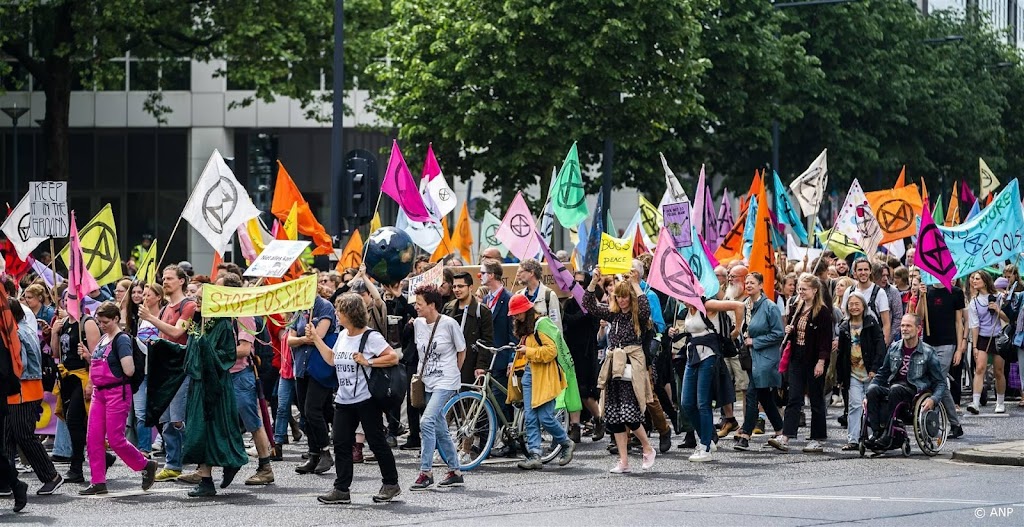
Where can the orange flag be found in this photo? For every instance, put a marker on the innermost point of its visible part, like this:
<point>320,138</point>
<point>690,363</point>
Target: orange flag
<point>446,246</point>
<point>287,194</point>
<point>924,191</point>
<point>953,212</point>
<point>217,260</point>
<point>896,210</point>
<point>732,246</point>
<point>762,255</point>
<point>352,255</point>
<point>462,236</point>
<point>902,180</point>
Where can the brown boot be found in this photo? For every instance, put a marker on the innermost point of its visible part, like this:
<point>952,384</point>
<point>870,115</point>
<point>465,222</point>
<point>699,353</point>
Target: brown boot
<point>264,476</point>
<point>357,453</point>
<point>277,454</point>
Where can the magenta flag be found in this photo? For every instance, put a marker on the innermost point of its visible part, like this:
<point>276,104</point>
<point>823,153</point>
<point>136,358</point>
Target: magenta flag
<point>671,275</point>
<point>967,196</point>
<point>563,278</point>
<point>80,281</point>
<point>932,255</point>
<point>725,219</point>
<point>398,184</point>
<point>708,252</point>
<point>518,230</point>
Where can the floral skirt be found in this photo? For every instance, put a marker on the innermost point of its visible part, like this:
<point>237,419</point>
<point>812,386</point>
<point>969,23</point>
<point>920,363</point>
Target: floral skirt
<point>620,405</point>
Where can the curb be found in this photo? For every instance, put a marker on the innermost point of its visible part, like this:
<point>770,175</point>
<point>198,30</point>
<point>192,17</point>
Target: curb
<point>975,456</point>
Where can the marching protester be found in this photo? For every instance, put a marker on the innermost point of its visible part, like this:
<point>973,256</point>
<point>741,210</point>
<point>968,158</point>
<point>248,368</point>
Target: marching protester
<point>442,351</point>
<point>623,379</point>
<point>11,370</point>
<point>861,348</point>
<point>358,348</point>
<point>152,297</point>
<point>945,331</point>
<point>809,337</point>
<point>985,318</point>
<point>497,299</point>
<point>313,394</point>
<point>544,299</point>
<point>111,368</point>
<point>542,380</point>
<point>581,336</point>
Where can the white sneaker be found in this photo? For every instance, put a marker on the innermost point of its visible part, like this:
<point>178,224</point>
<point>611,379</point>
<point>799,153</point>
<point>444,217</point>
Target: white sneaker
<point>814,447</point>
<point>780,443</point>
<point>973,408</point>
<point>701,455</point>
<point>1000,408</point>
<point>252,452</point>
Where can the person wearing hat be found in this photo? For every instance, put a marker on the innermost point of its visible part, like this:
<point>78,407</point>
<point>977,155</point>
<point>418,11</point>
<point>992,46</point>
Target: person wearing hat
<point>542,379</point>
<point>140,250</point>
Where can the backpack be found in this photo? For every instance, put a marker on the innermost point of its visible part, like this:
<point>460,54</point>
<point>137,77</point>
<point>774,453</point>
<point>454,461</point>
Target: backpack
<point>726,345</point>
<point>386,385</point>
<point>138,358</point>
<point>871,301</point>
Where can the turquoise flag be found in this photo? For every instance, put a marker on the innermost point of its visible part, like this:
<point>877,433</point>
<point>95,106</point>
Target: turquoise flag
<point>784,208</point>
<point>568,196</point>
<point>701,266</point>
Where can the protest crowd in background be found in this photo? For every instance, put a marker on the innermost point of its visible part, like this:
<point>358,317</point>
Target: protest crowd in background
<point>689,331</point>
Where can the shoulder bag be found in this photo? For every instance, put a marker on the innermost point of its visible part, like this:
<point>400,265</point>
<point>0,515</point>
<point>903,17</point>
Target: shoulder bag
<point>417,389</point>
<point>386,385</point>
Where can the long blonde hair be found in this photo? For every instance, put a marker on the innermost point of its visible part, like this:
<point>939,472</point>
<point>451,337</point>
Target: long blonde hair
<point>818,303</point>
<point>624,289</point>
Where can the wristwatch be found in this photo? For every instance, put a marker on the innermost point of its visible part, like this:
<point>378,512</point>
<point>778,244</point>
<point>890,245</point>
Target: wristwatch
<point>370,362</point>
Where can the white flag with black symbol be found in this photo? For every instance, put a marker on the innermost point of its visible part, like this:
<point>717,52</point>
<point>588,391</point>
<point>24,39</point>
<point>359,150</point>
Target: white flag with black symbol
<point>218,204</point>
<point>16,228</point>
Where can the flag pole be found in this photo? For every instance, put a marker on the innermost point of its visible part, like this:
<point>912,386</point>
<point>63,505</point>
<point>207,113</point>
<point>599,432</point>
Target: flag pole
<point>53,262</point>
<point>168,244</point>
<point>366,242</point>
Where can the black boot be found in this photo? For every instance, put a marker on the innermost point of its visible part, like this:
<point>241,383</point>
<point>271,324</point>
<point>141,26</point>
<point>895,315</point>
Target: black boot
<point>310,465</point>
<point>326,463</point>
<point>689,441</point>
<point>598,429</point>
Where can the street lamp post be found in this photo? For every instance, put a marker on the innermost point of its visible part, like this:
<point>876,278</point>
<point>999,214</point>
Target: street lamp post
<point>338,99</point>
<point>15,112</point>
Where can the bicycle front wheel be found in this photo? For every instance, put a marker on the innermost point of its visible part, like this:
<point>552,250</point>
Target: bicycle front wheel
<point>554,450</point>
<point>473,426</point>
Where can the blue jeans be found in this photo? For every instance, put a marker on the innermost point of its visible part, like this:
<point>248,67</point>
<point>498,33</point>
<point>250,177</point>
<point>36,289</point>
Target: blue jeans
<point>434,432</point>
<point>697,398</point>
<point>543,415</point>
<point>62,440</point>
<point>285,397</point>
<point>174,437</point>
<point>855,409</point>
<point>143,433</point>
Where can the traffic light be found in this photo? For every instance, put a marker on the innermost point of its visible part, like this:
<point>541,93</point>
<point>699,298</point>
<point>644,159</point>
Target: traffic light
<point>360,187</point>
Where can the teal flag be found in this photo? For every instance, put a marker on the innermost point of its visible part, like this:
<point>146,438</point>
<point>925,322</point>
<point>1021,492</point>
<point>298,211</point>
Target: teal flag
<point>489,233</point>
<point>787,215</point>
<point>568,196</point>
<point>700,265</point>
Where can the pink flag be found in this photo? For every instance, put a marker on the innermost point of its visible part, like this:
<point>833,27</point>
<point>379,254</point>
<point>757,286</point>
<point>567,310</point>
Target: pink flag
<point>80,282</point>
<point>518,230</point>
<point>699,210</point>
<point>966,195</point>
<point>708,252</point>
<point>932,255</point>
<point>671,275</point>
<point>725,219</point>
<point>563,278</point>
<point>245,243</point>
<point>398,184</point>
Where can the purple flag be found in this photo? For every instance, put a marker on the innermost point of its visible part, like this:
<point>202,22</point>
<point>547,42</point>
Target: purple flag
<point>563,278</point>
<point>710,219</point>
<point>725,219</point>
<point>677,223</point>
<point>398,184</point>
<point>932,255</point>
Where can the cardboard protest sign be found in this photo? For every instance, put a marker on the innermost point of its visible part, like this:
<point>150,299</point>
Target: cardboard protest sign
<point>48,202</point>
<point>276,259</point>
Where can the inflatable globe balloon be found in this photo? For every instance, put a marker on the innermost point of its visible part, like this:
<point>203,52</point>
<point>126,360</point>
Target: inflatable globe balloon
<point>389,255</point>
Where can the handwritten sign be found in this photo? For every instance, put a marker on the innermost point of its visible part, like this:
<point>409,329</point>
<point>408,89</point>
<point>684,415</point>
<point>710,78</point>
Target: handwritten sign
<point>276,258</point>
<point>48,205</point>
<point>616,255</point>
<point>432,276</point>
<point>677,221</point>
<point>287,297</point>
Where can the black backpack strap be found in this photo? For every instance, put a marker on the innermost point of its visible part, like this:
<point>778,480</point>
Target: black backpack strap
<point>362,346</point>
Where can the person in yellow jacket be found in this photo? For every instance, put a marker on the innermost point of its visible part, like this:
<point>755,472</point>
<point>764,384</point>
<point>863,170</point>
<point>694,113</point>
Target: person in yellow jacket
<point>542,381</point>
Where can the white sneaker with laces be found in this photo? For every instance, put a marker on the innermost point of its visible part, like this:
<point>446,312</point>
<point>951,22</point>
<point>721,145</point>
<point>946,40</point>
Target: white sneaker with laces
<point>814,447</point>
<point>1000,408</point>
<point>973,408</point>
<point>701,455</point>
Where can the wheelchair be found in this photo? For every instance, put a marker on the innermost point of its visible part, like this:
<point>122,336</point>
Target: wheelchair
<point>929,428</point>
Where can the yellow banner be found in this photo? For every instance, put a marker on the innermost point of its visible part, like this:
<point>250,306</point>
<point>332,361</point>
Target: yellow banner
<point>616,255</point>
<point>296,295</point>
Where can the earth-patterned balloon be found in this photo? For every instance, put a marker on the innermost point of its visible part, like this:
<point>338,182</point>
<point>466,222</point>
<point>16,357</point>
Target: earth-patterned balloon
<point>389,255</point>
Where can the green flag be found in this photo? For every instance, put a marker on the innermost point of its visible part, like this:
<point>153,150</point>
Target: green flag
<point>489,233</point>
<point>609,225</point>
<point>937,213</point>
<point>569,198</point>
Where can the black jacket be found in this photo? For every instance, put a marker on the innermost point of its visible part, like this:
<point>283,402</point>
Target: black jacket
<point>818,339</point>
<point>872,347</point>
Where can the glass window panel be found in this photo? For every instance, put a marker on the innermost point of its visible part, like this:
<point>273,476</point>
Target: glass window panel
<point>141,161</point>
<point>144,75</point>
<point>176,75</point>
<point>172,161</point>
<point>82,161</point>
<point>110,160</point>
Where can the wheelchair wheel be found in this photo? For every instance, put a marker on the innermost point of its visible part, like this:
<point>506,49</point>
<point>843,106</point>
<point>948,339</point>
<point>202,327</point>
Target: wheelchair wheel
<point>862,449</point>
<point>931,427</point>
<point>906,447</point>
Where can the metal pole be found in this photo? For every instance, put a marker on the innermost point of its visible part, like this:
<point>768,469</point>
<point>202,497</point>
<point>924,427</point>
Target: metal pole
<point>606,188</point>
<point>16,166</point>
<point>337,146</point>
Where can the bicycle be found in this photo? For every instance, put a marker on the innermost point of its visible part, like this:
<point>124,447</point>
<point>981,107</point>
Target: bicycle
<point>472,415</point>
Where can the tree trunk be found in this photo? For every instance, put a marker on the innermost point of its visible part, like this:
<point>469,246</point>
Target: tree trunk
<point>56,127</point>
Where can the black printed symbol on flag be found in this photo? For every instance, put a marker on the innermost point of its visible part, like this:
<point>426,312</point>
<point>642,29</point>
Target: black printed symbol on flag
<point>490,234</point>
<point>219,204</point>
<point>566,188</point>
<point>936,258</point>
<point>680,283</point>
<point>895,215</point>
<point>650,220</point>
<point>103,249</point>
<point>696,265</point>
<point>23,227</point>
<point>520,226</point>
<point>975,243</point>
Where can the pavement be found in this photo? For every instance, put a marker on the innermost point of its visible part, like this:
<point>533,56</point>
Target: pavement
<point>1009,453</point>
<point>761,487</point>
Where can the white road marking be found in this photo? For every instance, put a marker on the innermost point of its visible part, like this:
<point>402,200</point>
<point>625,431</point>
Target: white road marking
<point>816,497</point>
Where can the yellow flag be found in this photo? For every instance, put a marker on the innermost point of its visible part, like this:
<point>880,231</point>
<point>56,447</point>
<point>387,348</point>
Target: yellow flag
<point>650,218</point>
<point>446,246</point>
<point>616,255</point>
<point>259,236</point>
<point>352,254</point>
<point>99,248</point>
<point>291,224</point>
<point>146,270</point>
<point>839,243</point>
<point>989,183</point>
<point>375,223</point>
<point>462,236</point>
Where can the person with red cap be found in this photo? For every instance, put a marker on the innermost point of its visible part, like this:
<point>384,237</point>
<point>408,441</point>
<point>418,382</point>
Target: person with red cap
<point>541,379</point>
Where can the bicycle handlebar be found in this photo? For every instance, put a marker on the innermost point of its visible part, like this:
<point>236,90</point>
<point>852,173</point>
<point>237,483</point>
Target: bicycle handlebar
<point>480,344</point>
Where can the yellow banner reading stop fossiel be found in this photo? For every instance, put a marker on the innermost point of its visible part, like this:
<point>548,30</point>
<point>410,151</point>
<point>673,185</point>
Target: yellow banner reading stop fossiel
<point>296,295</point>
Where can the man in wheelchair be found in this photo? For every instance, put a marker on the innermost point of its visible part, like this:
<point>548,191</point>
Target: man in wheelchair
<point>908,368</point>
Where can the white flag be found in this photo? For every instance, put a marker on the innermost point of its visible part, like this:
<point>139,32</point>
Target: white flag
<point>857,221</point>
<point>809,187</point>
<point>16,228</point>
<point>989,183</point>
<point>797,253</point>
<point>674,192</point>
<point>426,235</point>
<point>630,231</point>
<point>547,218</point>
<point>218,204</point>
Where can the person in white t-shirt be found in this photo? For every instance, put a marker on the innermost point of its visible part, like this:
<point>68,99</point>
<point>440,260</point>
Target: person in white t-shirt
<point>863,270</point>
<point>357,349</point>
<point>442,349</point>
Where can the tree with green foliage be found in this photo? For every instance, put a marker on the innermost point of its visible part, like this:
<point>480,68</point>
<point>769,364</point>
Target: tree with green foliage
<point>504,88</point>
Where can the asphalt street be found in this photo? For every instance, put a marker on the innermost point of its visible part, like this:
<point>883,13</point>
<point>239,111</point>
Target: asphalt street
<point>760,487</point>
